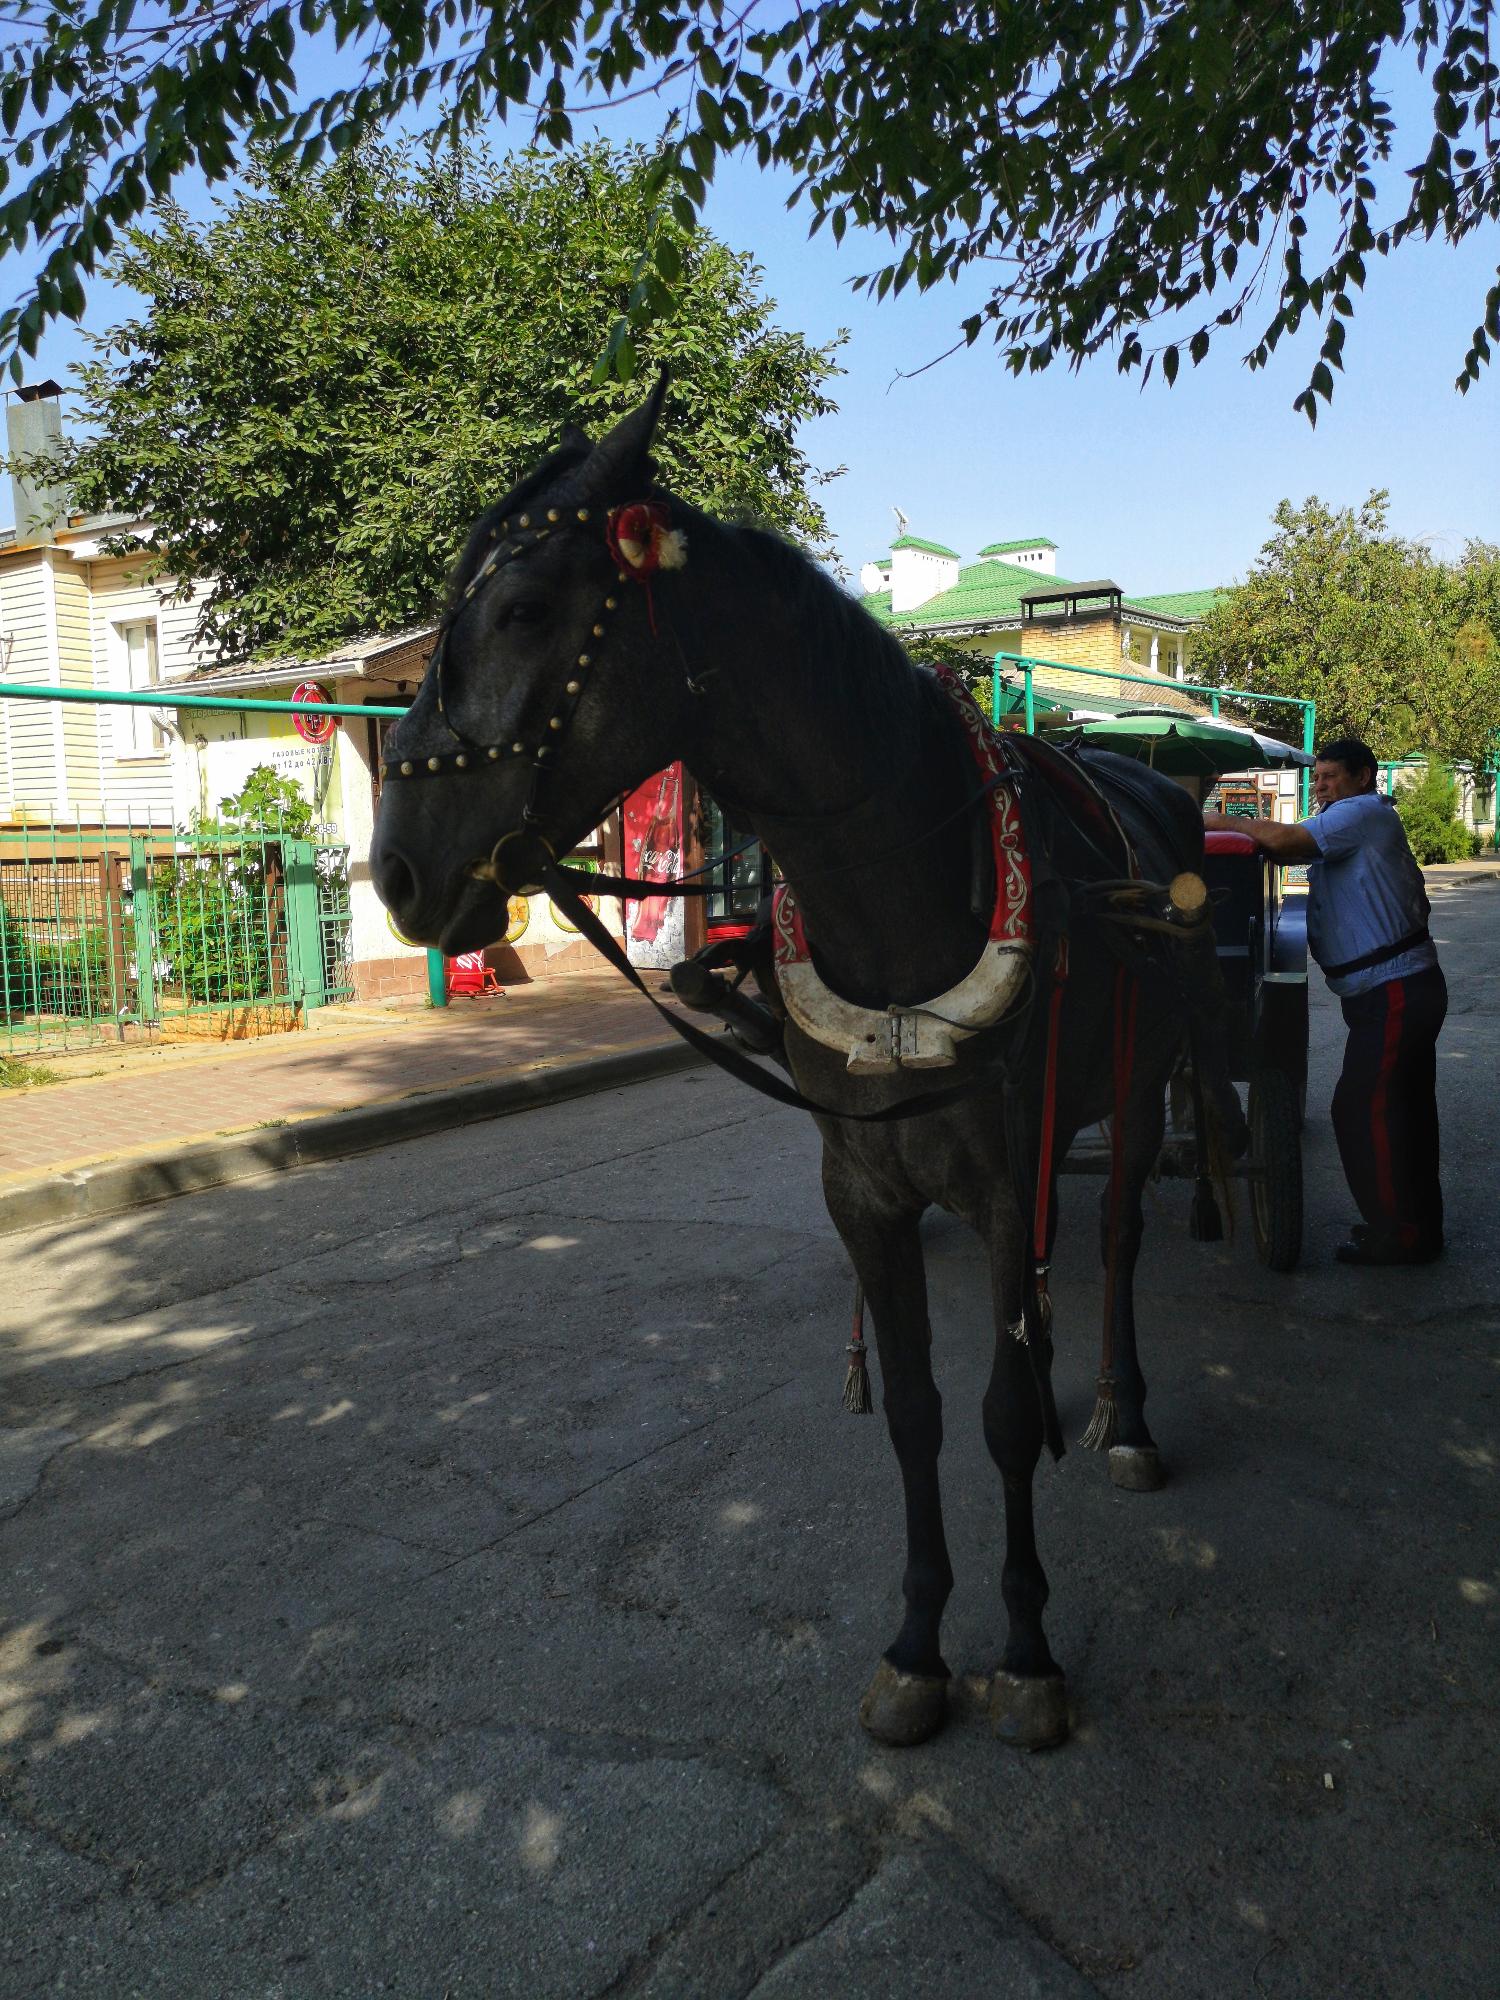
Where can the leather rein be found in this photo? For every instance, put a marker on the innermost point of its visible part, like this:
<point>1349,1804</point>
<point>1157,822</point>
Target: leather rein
<point>640,541</point>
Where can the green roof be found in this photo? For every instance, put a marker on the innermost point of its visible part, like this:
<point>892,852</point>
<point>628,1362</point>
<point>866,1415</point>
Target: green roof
<point>988,592</point>
<point>984,591</point>
<point>1180,603</point>
<point>1009,548</point>
<point>931,548</point>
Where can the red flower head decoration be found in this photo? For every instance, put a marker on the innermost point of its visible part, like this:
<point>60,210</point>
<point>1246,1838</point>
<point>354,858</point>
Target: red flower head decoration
<point>642,540</point>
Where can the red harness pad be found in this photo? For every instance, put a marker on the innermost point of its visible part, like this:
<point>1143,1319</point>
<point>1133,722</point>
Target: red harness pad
<point>1011,916</point>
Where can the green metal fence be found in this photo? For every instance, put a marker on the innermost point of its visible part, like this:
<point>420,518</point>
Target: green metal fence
<point>1018,663</point>
<point>111,930</point>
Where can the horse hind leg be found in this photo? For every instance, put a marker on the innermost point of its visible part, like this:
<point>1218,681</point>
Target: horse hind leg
<point>906,1702</point>
<point>1120,1414</point>
<point>1027,1698</point>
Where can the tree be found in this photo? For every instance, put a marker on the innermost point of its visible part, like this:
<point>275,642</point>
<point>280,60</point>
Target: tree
<point>1429,812</point>
<point>1393,646</point>
<point>337,373</point>
<point>1117,163</point>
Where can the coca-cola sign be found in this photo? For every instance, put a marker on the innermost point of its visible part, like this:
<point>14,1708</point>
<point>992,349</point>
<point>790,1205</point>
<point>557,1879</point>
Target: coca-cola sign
<point>653,852</point>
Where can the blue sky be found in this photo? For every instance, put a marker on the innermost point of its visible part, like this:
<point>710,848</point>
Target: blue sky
<point>1160,489</point>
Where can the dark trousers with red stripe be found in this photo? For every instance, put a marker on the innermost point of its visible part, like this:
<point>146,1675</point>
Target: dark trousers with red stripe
<point>1385,1108</point>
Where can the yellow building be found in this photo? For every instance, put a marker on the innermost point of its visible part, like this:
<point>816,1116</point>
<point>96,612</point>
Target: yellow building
<point>74,614</point>
<point>1010,599</point>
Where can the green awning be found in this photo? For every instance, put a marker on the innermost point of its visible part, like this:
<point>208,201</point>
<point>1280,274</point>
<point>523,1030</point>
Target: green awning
<point>1189,747</point>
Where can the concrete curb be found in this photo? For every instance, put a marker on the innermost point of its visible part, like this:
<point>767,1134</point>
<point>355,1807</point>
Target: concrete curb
<point>116,1185</point>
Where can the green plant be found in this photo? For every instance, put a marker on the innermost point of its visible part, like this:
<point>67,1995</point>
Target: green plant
<point>216,921</point>
<point>18,1075</point>
<point>45,972</point>
<point>1428,810</point>
<point>218,902</point>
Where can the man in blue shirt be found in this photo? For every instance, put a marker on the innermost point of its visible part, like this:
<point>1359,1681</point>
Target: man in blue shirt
<point>1367,928</point>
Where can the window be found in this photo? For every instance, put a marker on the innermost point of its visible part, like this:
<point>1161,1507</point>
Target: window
<point>139,732</point>
<point>739,881</point>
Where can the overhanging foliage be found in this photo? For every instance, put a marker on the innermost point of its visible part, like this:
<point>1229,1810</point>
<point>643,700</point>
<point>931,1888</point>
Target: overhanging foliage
<point>333,377</point>
<point>1109,165</point>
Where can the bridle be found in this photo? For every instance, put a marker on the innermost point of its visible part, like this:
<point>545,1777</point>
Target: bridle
<point>640,541</point>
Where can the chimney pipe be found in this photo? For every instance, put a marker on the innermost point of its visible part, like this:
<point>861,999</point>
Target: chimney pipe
<point>33,424</point>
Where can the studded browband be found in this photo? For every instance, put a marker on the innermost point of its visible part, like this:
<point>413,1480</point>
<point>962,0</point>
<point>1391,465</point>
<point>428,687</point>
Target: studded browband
<point>527,535</point>
<point>639,541</point>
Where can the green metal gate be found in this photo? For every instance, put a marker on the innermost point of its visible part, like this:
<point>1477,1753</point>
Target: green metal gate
<point>159,934</point>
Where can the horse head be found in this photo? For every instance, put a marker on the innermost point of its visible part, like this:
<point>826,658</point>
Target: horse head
<point>545,696</point>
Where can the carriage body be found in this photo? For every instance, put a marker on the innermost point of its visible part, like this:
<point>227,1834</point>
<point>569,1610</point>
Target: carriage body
<point>1260,933</point>
<point>1260,936</point>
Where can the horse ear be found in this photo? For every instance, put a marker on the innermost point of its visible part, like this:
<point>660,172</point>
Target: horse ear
<point>574,439</point>
<point>620,462</point>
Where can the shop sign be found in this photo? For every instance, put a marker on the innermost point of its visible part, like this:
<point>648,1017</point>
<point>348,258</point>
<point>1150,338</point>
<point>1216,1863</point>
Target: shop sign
<point>313,728</point>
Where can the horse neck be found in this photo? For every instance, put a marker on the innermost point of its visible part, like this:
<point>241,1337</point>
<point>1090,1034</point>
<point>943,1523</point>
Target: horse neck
<point>852,776</point>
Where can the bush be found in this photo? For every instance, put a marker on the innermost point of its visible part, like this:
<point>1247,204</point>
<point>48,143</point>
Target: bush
<point>43,973</point>
<point>219,930</point>
<point>1429,812</point>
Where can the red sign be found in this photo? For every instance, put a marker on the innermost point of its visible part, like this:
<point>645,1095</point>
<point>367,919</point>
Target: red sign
<point>653,848</point>
<point>313,728</point>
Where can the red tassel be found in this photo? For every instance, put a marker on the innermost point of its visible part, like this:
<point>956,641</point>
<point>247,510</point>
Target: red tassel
<point>857,1397</point>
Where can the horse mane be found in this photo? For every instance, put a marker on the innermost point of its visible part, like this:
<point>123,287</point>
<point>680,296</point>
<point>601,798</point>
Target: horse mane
<point>869,663</point>
<point>849,645</point>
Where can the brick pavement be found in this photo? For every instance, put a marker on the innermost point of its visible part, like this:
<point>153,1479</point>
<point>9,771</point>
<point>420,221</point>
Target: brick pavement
<point>118,1103</point>
<point>122,1102</point>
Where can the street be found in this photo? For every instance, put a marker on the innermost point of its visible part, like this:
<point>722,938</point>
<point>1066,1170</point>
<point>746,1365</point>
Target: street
<point>450,1572</point>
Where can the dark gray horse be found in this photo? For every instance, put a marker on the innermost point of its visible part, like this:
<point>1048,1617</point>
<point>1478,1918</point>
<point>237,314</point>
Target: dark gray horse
<point>580,654</point>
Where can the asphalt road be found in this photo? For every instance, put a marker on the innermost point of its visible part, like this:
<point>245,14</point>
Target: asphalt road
<point>449,1572</point>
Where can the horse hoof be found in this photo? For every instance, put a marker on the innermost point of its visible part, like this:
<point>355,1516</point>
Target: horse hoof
<point>903,1709</point>
<point>1029,1711</point>
<point>1136,1467</point>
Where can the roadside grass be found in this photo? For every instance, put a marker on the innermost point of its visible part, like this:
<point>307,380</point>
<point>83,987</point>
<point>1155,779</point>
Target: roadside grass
<point>18,1075</point>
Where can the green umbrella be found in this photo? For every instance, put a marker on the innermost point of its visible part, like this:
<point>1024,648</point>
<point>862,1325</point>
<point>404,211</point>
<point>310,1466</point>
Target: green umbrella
<point>1190,746</point>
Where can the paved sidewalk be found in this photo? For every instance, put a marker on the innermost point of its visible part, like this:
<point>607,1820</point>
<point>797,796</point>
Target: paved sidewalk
<point>171,1108</point>
<point>138,1103</point>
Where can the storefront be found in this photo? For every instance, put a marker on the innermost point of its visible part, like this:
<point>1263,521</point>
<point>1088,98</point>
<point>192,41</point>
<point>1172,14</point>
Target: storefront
<point>672,828</point>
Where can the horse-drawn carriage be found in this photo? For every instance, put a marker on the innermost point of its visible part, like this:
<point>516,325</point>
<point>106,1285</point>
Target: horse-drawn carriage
<point>726,648</point>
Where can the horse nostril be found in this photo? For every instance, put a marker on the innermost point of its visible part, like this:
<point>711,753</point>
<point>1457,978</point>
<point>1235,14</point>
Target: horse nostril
<point>395,883</point>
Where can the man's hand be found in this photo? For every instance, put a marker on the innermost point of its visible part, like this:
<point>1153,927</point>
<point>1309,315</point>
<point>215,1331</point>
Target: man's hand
<point>1272,836</point>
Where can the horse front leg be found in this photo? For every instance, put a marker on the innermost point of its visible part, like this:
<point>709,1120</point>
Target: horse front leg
<point>1028,1698</point>
<point>1120,1414</point>
<point>906,1702</point>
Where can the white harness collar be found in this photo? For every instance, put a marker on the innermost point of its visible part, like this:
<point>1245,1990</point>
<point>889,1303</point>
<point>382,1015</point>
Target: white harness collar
<point>877,1041</point>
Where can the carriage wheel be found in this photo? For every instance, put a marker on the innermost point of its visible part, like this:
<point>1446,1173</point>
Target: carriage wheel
<point>1281,1039</point>
<point>1276,1169</point>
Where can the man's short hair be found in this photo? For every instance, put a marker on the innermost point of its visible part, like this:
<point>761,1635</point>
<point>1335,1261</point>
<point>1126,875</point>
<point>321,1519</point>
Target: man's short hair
<point>1357,758</point>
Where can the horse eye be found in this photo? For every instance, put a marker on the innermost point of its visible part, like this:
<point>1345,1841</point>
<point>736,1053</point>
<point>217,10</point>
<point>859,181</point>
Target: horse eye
<point>524,611</point>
